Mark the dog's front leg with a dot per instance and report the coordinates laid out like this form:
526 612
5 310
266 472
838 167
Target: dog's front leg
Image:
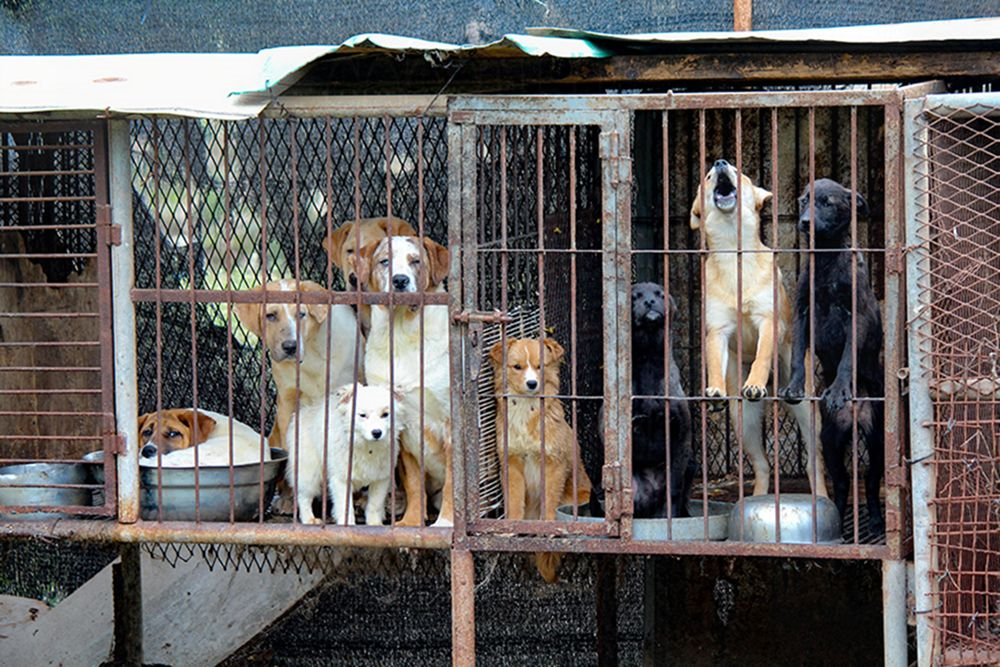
375 509
516 491
555 483
755 388
839 394
447 513
343 501
416 496
795 390
716 360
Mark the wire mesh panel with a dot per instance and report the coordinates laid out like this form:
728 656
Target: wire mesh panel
225 210
55 368
957 180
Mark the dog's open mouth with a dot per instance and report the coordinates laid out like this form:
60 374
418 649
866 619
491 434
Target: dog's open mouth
652 316
725 192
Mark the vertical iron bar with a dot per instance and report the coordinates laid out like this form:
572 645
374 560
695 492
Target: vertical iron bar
228 213
540 213
572 317
812 298
668 321
854 321
775 283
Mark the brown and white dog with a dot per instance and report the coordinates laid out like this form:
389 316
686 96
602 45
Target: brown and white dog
341 244
765 322
415 267
521 412
176 433
296 343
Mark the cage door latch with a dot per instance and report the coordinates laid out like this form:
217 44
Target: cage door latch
483 317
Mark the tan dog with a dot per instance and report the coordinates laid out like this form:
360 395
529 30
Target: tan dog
522 416
415 266
177 432
341 244
297 340
715 212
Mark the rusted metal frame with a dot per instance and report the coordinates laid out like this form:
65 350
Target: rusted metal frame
35 228
616 179
48 255
702 257
16 527
82 285
54 413
575 544
49 316
55 369
540 220
421 408
357 106
504 268
315 298
50 437
207 532
155 174
817 445
328 164
668 313
387 151
12 461
43 392
922 466
463 608
44 127
262 171
38 200
479 150
854 319
295 429
48 147
528 107
190 213
737 390
50 172
775 280
356 139
895 331
466 339
573 319
536 527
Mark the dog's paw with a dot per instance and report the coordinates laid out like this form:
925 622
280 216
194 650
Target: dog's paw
409 522
282 505
313 521
836 397
792 394
442 523
754 392
714 395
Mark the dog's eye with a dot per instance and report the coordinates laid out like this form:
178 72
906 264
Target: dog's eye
363 415
302 314
385 414
271 317
148 433
350 251
384 262
173 434
517 367
414 262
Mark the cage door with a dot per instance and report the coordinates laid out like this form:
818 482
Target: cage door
540 198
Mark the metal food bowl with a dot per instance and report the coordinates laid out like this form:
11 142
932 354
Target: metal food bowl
753 520
686 529
42 473
95 466
168 494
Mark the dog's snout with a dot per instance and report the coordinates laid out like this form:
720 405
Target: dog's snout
650 303
376 433
721 164
148 452
289 346
532 384
400 281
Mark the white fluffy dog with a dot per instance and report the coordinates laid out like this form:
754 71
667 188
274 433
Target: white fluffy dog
374 452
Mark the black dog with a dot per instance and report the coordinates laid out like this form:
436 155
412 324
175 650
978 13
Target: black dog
649 454
834 328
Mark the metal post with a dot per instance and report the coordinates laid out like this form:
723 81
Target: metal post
122 281
126 584
894 613
463 608
921 410
606 594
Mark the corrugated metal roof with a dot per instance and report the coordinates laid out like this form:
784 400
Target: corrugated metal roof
240 85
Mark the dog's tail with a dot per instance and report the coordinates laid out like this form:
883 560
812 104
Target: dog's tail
547 563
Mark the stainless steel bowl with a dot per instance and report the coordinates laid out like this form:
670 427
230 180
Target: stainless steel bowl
42 473
94 463
175 499
753 520
686 529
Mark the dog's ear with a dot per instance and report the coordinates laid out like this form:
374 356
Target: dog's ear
334 243
555 351
674 310
862 205
760 197
344 394
143 421
439 260
361 263
496 352
249 315
696 210
317 311
401 227
205 425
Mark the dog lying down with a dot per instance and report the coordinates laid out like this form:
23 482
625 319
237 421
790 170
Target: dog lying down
178 432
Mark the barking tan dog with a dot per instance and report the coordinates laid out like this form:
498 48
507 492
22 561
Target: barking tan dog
342 242
715 212
415 267
522 414
296 338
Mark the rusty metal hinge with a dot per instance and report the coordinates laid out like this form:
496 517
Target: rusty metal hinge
895 259
114 232
117 443
115 235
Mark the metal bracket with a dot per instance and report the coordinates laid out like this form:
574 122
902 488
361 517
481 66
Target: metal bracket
895 259
483 317
611 480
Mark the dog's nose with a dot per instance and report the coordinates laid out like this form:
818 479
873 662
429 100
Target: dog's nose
532 384
289 346
376 433
400 281
721 164
649 303
148 452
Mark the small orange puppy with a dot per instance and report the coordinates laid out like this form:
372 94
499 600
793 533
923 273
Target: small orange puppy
521 411
341 244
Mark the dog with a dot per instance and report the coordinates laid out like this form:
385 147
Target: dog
341 244
765 322
649 476
296 343
175 434
414 267
371 453
834 327
518 381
